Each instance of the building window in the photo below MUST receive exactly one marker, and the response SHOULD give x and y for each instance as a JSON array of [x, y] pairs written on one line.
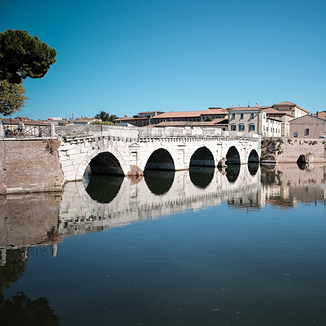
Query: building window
[[233, 127], [252, 115], [252, 127], [306, 132], [233, 116], [241, 116], [295, 134], [241, 127]]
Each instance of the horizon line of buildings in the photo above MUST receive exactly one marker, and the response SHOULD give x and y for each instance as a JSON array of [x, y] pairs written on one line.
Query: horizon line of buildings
[[284, 119]]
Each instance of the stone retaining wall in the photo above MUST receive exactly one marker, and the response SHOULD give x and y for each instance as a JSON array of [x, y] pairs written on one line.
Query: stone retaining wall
[[288, 150], [27, 165]]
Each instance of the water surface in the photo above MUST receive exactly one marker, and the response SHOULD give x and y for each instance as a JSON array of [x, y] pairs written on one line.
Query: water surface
[[245, 246]]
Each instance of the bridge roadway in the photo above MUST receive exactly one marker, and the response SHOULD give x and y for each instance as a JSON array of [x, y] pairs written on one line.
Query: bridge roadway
[[131, 150], [133, 202]]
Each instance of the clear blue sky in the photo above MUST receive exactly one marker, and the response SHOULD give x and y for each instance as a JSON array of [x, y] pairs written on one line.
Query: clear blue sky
[[128, 56]]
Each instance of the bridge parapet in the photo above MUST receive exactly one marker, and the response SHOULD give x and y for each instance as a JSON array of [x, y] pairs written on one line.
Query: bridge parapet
[[132, 147], [82, 131]]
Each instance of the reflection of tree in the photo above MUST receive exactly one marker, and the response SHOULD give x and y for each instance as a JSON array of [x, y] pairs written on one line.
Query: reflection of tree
[[24, 311], [270, 176], [14, 268]]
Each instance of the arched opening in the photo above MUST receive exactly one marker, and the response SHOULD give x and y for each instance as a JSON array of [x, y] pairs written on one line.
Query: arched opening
[[253, 157], [232, 156], [103, 177], [160, 159], [105, 164], [159, 182], [202, 157], [233, 164], [253, 162], [201, 177]]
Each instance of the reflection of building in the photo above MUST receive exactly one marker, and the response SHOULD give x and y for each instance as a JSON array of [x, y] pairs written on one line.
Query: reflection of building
[[287, 185]]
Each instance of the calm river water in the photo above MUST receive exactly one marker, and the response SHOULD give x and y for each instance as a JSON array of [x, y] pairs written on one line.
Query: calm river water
[[245, 246]]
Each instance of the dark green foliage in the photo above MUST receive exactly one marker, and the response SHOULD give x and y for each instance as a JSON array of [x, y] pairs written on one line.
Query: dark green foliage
[[104, 116], [23, 55]]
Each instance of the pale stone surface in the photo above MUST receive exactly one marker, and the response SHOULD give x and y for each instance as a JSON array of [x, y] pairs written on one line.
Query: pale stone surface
[[132, 147]]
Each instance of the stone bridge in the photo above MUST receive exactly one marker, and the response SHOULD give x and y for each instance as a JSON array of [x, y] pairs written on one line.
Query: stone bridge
[[131, 150]]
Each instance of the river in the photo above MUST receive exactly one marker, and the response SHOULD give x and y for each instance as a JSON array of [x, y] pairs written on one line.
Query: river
[[241, 246]]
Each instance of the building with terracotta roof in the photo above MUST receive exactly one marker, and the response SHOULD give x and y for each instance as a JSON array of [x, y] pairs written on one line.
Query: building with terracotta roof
[[190, 116], [216, 123], [269, 121], [291, 109], [141, 119], [321, 115]]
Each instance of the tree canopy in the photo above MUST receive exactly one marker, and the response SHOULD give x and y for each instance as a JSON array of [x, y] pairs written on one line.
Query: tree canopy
[[23, 55], [104, 116], [12, 97]]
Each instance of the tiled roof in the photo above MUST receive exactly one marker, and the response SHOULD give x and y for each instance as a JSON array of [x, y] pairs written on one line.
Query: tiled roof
[[289, 104], [247, 108], [188, 114], [285, 103], [322, 115], [151, 112], [130, 118], [186, 124]]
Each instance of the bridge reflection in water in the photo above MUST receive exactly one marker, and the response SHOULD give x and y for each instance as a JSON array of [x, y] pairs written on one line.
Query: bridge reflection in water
[[110, 201], [104, 202]]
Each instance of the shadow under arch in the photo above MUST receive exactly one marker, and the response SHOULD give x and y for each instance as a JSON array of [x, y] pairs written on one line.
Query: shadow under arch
[[202, 176], [160, 159], [105, 163], [253, 157], [159, 182], [202, 157], [232, 156], [233, 164], [104, 188]]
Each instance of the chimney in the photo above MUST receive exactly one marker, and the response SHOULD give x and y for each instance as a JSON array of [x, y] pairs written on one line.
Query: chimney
[[317, 114]]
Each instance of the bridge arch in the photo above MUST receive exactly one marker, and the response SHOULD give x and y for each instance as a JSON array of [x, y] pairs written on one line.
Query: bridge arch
[[232, 156], [160, 159], [202, 157], [253, 157], [114, 157]]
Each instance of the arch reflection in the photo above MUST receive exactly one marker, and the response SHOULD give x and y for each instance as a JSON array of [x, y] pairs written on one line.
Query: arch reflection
[[159, 182], [232, 172], [201, 177], [104, 188], [253, 168]]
